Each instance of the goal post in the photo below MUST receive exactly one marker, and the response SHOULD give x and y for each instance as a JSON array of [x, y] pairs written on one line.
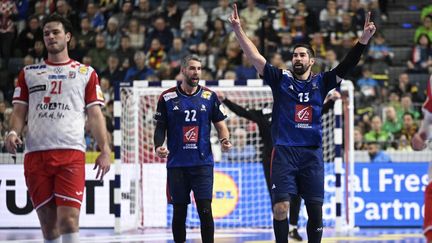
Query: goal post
[[240, 196]]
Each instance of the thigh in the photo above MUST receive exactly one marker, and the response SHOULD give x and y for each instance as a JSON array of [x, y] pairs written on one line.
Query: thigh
[[201, 181], [47, 214], [39, 176], [178, 191], [70, 177], [283, 173], [311, 175]]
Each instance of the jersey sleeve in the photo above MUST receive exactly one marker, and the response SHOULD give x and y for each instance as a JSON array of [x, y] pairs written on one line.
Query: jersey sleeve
[[252, 115], [21, 93], [93, 92], [330, 81], [218, 112], [272, 75], [161, 111]]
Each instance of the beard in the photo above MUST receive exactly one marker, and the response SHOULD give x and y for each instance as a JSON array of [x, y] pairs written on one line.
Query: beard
[[300, 69], [192, 81], [55, 50]]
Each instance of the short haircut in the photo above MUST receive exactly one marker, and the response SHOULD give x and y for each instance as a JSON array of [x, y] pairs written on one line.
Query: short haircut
[[186, 59], [408, 114], [67, 26], [310, 51]]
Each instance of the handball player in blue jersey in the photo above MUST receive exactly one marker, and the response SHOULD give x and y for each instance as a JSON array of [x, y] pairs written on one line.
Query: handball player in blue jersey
[[298, 94], [184, 115]]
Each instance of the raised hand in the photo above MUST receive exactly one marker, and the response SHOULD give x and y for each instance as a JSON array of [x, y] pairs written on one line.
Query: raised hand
[[234, 19], [368, 30]]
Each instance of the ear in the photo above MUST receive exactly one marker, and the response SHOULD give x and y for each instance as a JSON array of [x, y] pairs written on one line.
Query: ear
[[68, 37], [312, 61]]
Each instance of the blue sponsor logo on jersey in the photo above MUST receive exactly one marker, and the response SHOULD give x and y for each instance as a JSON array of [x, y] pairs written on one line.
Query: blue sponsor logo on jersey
[[60, 76], [35, 67]]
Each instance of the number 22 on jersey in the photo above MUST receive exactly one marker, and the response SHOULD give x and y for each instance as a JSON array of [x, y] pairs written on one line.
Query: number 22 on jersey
[[190, 115]]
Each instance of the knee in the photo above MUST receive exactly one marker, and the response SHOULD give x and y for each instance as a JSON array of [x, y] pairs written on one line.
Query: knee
[[204, 209], [69, 223], [280, 210], [49, 226]]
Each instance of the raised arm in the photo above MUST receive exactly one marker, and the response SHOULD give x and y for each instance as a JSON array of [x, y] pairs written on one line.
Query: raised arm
[[246, 44], [353, 56]]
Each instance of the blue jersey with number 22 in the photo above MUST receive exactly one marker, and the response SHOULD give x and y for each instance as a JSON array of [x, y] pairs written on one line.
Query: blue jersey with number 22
[[188, 120]]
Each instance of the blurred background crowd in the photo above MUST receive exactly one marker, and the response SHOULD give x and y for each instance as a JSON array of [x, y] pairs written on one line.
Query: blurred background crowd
[[145, 40]]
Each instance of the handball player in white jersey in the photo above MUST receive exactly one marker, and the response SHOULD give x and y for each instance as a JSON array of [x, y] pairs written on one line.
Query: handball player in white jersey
[[53, 98], [419, 143]]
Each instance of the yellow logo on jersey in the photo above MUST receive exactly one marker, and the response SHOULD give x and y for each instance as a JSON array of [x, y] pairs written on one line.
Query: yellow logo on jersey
[[83, 70], [206, 95], [225, 194]]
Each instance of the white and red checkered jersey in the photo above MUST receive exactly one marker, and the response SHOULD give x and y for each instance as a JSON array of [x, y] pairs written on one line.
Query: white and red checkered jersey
[[57, 96]]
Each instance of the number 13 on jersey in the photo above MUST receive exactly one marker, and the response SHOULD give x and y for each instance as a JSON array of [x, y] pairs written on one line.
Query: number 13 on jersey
[[303, 97]]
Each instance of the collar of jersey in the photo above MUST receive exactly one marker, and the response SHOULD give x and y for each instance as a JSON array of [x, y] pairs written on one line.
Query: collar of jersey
[[58, 64], [180, 90], [301, 80]]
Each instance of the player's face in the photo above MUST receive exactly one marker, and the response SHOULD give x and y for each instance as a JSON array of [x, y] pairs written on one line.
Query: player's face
[[192, 73], [55, 37], [301, 61]]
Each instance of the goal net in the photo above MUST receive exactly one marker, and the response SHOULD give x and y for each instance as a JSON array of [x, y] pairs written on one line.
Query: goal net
[[240, 195]]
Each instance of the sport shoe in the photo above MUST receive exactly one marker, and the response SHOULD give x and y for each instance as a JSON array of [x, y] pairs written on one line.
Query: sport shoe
[[295, 235]]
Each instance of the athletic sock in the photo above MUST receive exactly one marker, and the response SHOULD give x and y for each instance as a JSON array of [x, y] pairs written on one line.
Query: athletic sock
[[281, 230], [70, 238]]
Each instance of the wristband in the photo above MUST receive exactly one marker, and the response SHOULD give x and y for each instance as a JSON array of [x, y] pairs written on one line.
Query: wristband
[[12, 132], [222, 140]]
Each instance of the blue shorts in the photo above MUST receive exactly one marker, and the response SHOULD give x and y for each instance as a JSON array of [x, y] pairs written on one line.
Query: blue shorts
[[297, 170], [181, 180]]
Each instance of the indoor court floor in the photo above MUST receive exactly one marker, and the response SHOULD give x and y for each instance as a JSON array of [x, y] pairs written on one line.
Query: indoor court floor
[[375, 235]]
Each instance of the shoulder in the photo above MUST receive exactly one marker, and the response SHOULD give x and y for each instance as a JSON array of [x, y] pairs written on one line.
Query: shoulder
[[82, 69], [207, 89], [168, 94], [287, 73]]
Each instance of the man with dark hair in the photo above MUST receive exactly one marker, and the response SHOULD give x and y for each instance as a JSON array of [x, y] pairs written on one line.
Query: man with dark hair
[[184, 114], [54, 98], [297, 159]]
